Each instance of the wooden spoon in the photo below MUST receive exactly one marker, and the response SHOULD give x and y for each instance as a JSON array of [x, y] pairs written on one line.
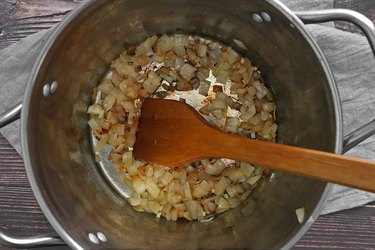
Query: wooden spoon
[[172, 133]]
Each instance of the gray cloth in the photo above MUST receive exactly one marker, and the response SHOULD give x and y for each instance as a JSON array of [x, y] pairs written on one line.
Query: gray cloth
[[349, 56], [298, 5], [352, 64], [16, 63]]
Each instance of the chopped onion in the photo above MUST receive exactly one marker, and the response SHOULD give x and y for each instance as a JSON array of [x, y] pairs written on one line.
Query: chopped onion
[[232, 124], [119, 95], [238, 102], [204, 87], [201, 189], [187, 71], [180, 50], [214, 54], [181, 40], [218, 104], [209, 205], [152, 82], [93, 124], [234, 174], [142, 60], [268, 107], [172, 197], [300, 212], [213, 169], [231, 56], [128, 105], [154, 207], [222, 204], [203, 73], [134, 201], [167, 178], [220, 186], [127, 158], [119, 129], [102, 142], [253, 179], [106, 87], [264, 116], [234, 189], [187, 191], [138, 185], [247, 111], [183, 84], [201, 50], [222, 76], [193, 58], [129, 89], [179, 207], [164, 44], [247, 168], [108, 102], [151, 187], [125, 69], [195, 209], [96, 109]]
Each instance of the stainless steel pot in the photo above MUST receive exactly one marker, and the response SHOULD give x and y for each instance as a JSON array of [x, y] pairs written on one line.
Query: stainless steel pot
[[75, 197]]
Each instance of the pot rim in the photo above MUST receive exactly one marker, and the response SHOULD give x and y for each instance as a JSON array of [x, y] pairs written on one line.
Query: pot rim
[[338, 114], [58, 30]]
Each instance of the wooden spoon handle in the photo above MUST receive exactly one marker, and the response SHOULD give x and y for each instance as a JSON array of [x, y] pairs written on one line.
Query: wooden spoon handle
[[330, 167]]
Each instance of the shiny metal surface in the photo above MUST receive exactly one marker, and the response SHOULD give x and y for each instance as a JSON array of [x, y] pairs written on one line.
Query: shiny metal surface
[[110, 171], [359, 135], [368, 29], [351, 16], [35, 241], [10, 115], [71, 189], [53, 87]]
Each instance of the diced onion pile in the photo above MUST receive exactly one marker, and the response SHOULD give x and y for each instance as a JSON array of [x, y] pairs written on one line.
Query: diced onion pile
[[234, 96]]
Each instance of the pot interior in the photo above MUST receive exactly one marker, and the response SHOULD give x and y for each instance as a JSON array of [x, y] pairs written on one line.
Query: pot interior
[[58, 138]]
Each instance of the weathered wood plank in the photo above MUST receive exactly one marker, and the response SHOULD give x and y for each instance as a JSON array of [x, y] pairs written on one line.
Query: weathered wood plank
[[353, 228], [20, 214], [11, 166], [21, 18]]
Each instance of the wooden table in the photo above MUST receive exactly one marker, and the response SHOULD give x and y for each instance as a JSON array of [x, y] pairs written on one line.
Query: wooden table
[[19, 212]]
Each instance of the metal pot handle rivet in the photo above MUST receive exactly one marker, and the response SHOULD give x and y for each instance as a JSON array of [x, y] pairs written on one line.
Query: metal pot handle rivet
[[46, 90], [266, 17], [257, 18], [54, 86], [97, 238], [49, 89], [308, 17], [261, 17]]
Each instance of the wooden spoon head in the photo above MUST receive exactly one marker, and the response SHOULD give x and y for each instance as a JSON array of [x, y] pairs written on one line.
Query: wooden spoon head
[[170, 133]]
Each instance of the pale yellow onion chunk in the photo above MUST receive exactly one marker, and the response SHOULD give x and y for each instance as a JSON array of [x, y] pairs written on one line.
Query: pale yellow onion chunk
[[237, 100]]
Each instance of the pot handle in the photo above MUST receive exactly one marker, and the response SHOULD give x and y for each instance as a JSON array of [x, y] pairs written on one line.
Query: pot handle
[[10, 115], [33, 241], [308, 17]]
